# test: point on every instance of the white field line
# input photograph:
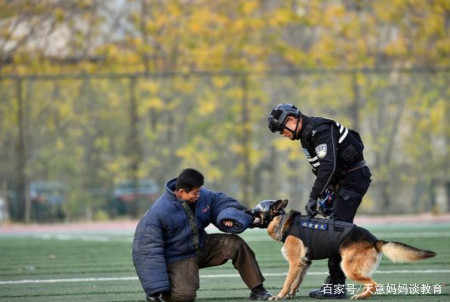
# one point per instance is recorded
(206, 276)
(380, 236)
(106, 238)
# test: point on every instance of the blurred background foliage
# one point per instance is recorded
(98, 94)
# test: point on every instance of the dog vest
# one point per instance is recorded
(322, 237)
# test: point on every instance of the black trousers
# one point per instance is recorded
(218, 249)
(353, 186)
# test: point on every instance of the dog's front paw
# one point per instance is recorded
(274, 298)
(358, 297)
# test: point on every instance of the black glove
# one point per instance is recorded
(311, 207)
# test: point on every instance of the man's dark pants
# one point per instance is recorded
(352, 187)
(218, 249)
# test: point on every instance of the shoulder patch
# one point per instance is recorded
(321, 150)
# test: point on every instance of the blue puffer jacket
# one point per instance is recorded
(167, 233)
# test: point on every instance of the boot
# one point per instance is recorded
(334, 289)
(153, 297)
(334, 285)
(259, 293)
(314, 293)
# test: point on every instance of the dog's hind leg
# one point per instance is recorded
(294, 251)
(359, 261)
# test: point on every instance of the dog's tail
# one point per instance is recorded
(400, 252)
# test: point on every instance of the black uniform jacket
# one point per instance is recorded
(331, 149)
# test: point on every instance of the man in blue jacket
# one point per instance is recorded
(170, 244)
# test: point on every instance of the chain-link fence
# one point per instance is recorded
(98, 146)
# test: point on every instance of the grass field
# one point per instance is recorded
(97, 266)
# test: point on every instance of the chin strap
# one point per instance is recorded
(295, 135)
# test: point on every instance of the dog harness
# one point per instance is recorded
(322, 237)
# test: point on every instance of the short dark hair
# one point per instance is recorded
(189, 179)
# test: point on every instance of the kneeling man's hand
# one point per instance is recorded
(228, 223)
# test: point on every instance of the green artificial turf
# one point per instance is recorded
(98, 267)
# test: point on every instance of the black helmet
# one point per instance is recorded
(264, 205)
(264, 211)
(277, 118)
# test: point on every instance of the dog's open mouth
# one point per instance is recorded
(267, 210)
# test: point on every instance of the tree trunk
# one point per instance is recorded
(22, 183)
(134, 148)
(354, 111)
(246, 144)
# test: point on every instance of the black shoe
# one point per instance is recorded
(331, 289)
(153, 298)
(259, 293)
(314, 293)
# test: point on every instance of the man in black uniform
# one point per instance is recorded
(336, 155)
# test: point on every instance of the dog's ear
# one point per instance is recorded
(284, 203)
(279, 204)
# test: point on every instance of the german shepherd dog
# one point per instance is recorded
(360, 251)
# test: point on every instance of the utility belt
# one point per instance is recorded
(357, 166)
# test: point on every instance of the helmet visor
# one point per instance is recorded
(278, 117)
(277, 120)
(275, 125)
